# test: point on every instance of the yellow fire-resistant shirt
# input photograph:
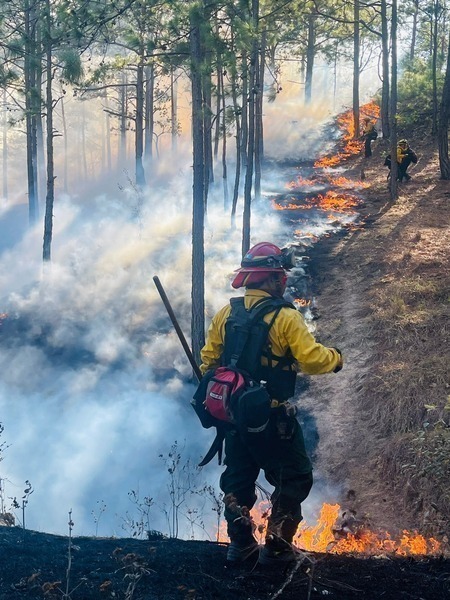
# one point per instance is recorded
(287, 336)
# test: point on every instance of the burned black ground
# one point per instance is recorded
(36, 565)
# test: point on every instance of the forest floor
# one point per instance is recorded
(362, 309)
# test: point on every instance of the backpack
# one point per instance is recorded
(232, 395)
(373, 134)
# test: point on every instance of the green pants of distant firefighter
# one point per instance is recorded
(286, 467)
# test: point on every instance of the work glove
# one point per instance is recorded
(340, 363)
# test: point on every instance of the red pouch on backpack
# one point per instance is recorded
(222, 386)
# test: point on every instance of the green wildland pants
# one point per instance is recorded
(286, 467)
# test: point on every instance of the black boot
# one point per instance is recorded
(278, 548)
(242, 543)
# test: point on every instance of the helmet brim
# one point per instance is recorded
(259, 275)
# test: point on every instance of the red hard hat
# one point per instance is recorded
(259, 263)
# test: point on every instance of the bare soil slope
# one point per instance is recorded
(382, 294)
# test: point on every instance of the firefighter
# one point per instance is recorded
(405, 156)
(282, 456)
(369, 134)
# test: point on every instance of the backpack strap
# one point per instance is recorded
(216, 448)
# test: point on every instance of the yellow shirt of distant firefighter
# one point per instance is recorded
(289, 333)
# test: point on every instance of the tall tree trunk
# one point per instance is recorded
(310, 55)
(139, 133)
(219, 92)
(393, 106)
(84, 161)
(66, 145)
(29, 76)
(356, 36)
(444, 116)
(50, 198)
(123, 103)
(108, 132)
(198, 212)
(245, 98)
(412, 49)
(237, 120)
(174, 109)
(259, 131)
(149, 110)
(207, 125)
(224, 149)
(434, 67)
(40, 147)
(5, 146)
(385, 69)
(251, 131)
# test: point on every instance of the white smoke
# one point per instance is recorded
(95, 385)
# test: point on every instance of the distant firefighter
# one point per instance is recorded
(369, 134)
(405, 156)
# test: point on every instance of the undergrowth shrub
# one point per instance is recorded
(415, 90)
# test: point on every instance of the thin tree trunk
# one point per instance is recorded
(245, 98)
(393, 104)
(198, 212)
(66, 145)
(149, 110)
(122, 154)
(259, 133)
(174, 109)
(356, 36)
(237, 176)
(5, 146)
(83, 141)
(444, 116)
(139, 132)
(207, 126)
(40, 148)
(310, 54)
(50, 198)
(108, 132)
(224, 151)
(246, 224)
(412, 49)
(385, 68)
(434, 67)
(219, 92)
(29, 89)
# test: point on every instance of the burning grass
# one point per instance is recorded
(338, 202)
(351, 143)
(338, 533)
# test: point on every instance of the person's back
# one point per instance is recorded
(281, 452)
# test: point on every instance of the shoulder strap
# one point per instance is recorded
(246, 318)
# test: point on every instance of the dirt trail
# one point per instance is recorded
(347, 281)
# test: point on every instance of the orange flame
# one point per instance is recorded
(324, 537)
(334, 201)
(302, 302)
(351, 146)
(299, 182)
(347, 183)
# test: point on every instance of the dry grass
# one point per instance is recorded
(398, 332)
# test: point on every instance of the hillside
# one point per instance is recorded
(383, 427)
